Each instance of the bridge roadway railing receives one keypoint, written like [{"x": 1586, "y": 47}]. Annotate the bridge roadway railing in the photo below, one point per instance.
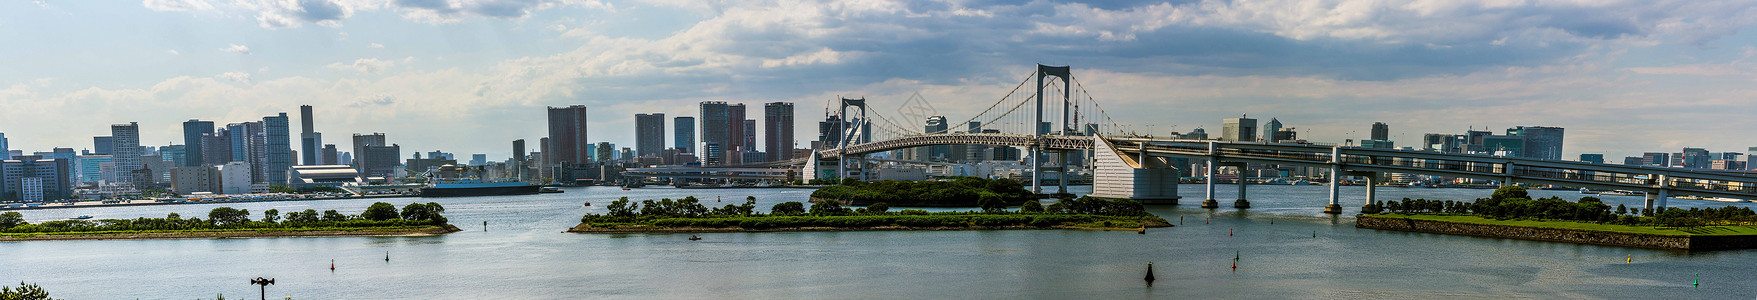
[
  {"x": 1678, "y": 181},
  {"x": 1049, "y": 142}
]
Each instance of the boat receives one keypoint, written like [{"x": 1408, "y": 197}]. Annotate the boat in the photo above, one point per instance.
[
  {"x": 588, "y": 204},
  {"x": 449, "y": 181},
  {"x": 1620, "y": 193},
  {"x": 548, "y": 190},
  {"x": 1586, "y": 191},
  {"x": 695, "y": 237},
  {"x": 82, "y": 217}
]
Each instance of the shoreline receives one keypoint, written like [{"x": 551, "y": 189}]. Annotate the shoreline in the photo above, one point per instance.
[
  {"x": 1686, "y": 242},
  {"x": 88, "y": 204},
  {"x": 589, "y": 229},
  {"x": 240, "y": 234}
]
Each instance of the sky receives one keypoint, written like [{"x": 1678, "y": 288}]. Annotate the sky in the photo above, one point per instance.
[{"x": 470, "y": 76}]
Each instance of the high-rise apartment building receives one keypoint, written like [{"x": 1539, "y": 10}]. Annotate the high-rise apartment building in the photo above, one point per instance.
[
  {"x": 1240, "y": 129},
  {"x": 125, "y": 150},
  {"x": 278, "y": 149},
  {"x": 649, "y": 134},
  {"x": 1381, "y": 131},
  {"x": 716, "y": 124},
  {"x": 778, "y": 130},
  {"x": 735, "y": 116},
  {"x": 33, "y": 178},
  {"x": 567, "y": 136},
  {"x": 685, "y": 134}
]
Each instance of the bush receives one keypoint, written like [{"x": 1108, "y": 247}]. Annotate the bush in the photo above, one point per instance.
[
  {"x": 878, "y": 208},
  {"x": 11, "y": 219},
  {"x": 827, "y": 207},
  {"x": 380, "y": 211},
  {"x": 1032, "y": 206},
  {"x": 789, "y": 208},
  {"x": 227, "y": 215}
]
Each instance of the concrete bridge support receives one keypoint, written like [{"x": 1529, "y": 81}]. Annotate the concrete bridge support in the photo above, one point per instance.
[
  {"x": 1210, "y": 202},
  {"x": 1147, "y": 179},
  {"x": 1241, "y": 203},
  {"x": 1373, "y": 179},
  {"x": 1335, "y": 206}
]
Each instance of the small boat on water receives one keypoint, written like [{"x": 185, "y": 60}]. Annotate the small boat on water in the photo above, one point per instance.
[
  {"x": 695, "y": 237},
  {"x": 588, "y": 204},
  {"x": 548, "y": 189},
  {"x": 1620, "y": 193},
  {"x": 1586, "y": 191},
  {"x": 82, "y": 217}
]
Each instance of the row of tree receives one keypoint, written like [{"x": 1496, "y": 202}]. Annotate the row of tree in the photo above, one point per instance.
[
  {"x": 1513, "y": 202},
  {"x": 959, "y": 192},
  {"x": 624, "y": 211},
  {"x": 377, "y": 215}
]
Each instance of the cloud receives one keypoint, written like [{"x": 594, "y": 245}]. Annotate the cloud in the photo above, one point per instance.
[
  {"x": 379, "y": 100},
  {"x": 176, "y": 5},
  {"x": 375, "y": 46},
  {"x": 293, "y": 13},
  {"x": 236, "y": 48},
  {"x": 239, "y": 77},
  {"x": 173, "y": 52},
  {"x": 366, "y": 65}
]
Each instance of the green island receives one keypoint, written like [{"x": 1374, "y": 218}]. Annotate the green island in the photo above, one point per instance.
[
  {"x": 1511, "y": 213},
  {"x": 379, "y": 219},
  {"x": 958, "y": 192},
  {"x": 688, "y": 215}
]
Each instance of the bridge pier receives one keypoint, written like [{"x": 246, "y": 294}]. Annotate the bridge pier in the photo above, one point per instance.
[
  {"x": 1241, "y": 203},
  {"x": 1210, "y": 202},
  {"x": 1372, "y": 188},
  {"x": 1335, "y": 206},
  {"x": 1648, "y": 203},
  {"x": 1149, "y": 180}
]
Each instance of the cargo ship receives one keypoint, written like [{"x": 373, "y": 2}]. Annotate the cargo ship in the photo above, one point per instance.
[{"x": 451, "y": 182}]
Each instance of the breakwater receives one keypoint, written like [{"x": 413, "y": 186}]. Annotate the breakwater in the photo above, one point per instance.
[{"x": 1594, "y": 237}]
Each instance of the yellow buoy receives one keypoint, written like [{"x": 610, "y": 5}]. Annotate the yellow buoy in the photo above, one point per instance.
[{"x": 1631, "y": 259}]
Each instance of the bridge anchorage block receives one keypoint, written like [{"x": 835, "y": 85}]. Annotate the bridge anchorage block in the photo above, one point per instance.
[
  {"x": 1241, "y": 203},
  {"x": 1210, "y": 203},
  {"x": 1333, "y": 209}
]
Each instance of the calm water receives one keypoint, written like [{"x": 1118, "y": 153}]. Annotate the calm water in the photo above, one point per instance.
[{"x": 524, "y": 254}]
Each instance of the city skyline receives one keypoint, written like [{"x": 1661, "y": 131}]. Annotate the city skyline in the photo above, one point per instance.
[{"x": 1659, "y": 78}]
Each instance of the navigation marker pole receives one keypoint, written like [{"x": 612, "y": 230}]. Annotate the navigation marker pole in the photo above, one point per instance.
[{"x": 1149, "y": 277}]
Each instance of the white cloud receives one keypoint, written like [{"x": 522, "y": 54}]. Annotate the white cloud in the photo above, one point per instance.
[
  {"x": 239, "y": 77},
  {"x": 173, "y": 52},
  {"x": 236, "y": 48},
  {"x": 375, "y": 46},
  {"x": 176, "y": 5},
  {"x": 366, "y": 65}
]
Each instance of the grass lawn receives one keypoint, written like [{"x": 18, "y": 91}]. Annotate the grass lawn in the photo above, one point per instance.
[{"x": 1704, "y": 230}]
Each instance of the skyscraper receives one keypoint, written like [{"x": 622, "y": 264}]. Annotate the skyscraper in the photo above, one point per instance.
[
  {"x": 312, "y": 149},
  {"x": 1381, "y": 131},
  {"x": 5, "y": 150},
  {"x": 749, "y": 143},
  {"x": 101, "y": 145},
  {"x": 685, "y": 134},
  {"x": 518, "y": 151},
  {"x": 373, "y": 158},
  {"x": 125, "y": 150},
  {"x": 736, "y": 136},
  {"x": 1660, "y": 159},
  {"x": 716, "y": 126},
  {"x": 649, "y": 134},
  {"x": 606, "y": 151},
  {"x": 935, "y": 124},
  {"x": 567, "y": 135},
  {"x": 778, "y": 130},
  {"x": 1592, "y": 158},
  {"x": 1270, "y": 129},
  {"x": 1240, "y": 129},
  {"x": 277, "y": 149},
  {"x": 330, "y": 155}
]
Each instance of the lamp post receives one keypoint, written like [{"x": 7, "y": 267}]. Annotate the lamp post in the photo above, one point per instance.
[{"x": 264, "y": 283}]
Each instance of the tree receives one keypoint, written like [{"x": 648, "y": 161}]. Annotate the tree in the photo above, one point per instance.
[
  {"x": 281, "y": 189},
  {"x": 380, "y": 211},
  {"x": 271, "y": 216},
  {"x": 11, "y": 219},
  {"x": 621, "y": 208},
  {"x": 1032, "y": 206},
  {"x": 828, "y": 207},
  {"x": 24, "y": 292},
  {"x": 789, "y": 208},
  {"x": 333, "y": 216},
  {"x": 878, "y": 208},
  {"x": 1621, "y": 210},
  {"x": 991, "y": 202},
  {"x": 1510, "y": 192},
  {"x": 309, "y": 215},
  {"x": 174, "y": 216},
  {"x": 228, "y": 215}
]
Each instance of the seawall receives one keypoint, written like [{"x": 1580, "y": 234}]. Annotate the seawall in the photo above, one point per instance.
[{"x": 1594, "y": 237}]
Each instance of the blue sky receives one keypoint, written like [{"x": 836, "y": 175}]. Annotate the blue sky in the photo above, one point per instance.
[{"x": 468, "y": 76}]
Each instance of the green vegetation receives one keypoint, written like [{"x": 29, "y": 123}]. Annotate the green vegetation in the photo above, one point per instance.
[
  {"x": 689, "y": 213},
  {"x": 1513, "y": 203},
  {"x": 230, "y": 219},
  {"x": 1706, "y": 230},
  {"x": 960, "y": 192},
  {"x": 23, "y": 292}
]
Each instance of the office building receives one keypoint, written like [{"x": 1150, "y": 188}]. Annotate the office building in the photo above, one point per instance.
[
  {"x": 330, "y": 155},
  {"x": 606, "y": 151},
  {"x": 1504, "y": 145},
  {"x": 101, "y": 145},
  {"x": 1381, "y": 131},
  {"x": 5, "y": 149},
  {"x": 374, "y": 157},
  {"x": 1197, "y": 134},
  {"x": 685, "y": 134},
  {"x": 935, "y": 124},
  {"x": 749, "y": 143},
  {"x": 125, "y": 150},
  {"x": 193, "y": 133},
  {"x": 1658, "y": 159},
  {"x": 1241, "y": 129},
  {"x": 311, "y": 150},
  {"x": 716, "y": 126},
  {"x": 1633, "y": 161},
  {"x": 649, "y": 134},
  {"x": 1592, "y": 158},
  {"x": 1473, "y": 141},
  {"x": 187, "y": 180},
  {"x": 1695, "y": 158},
  {"x": 778, "y": 130},
  {"x": 215, "y": 148},
  {"x": 567, "y": 136},
  {"x": 1378, "y": 144},
  {"x": 1540, "y": 142},
  {"x": 1272, "y": 130},
  {"x": 277, "y": 149},
  {"x": 1443, "y": 143},
  {"x": 235, "y": 178},
  {"x": 32, "y": 178}
]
